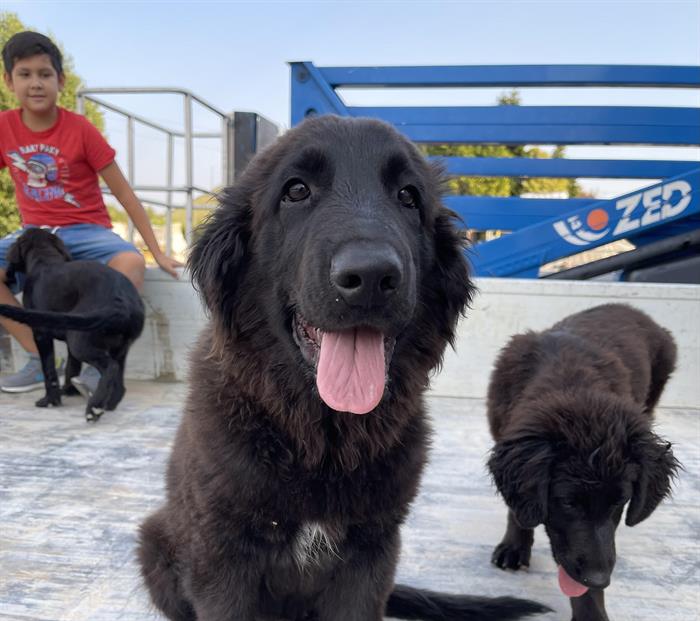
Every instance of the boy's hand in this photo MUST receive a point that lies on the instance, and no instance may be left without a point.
(168, 264)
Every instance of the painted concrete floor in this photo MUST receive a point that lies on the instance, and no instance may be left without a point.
(72, 495)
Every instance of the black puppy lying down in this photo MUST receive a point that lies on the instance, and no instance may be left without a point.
(93, 308)
(570, 409)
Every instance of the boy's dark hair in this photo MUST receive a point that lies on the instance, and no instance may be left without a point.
(28, 43)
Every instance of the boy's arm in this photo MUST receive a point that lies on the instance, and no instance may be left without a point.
(122, 191)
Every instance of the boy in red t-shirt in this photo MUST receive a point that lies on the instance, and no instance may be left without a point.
(54, 157)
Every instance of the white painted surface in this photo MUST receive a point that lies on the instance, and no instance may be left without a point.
(174, 319)
(505, 307)
(74, 494)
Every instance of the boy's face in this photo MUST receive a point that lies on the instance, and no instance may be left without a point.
(35, 83)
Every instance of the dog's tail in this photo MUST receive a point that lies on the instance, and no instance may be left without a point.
(409, 603)
(99, 318)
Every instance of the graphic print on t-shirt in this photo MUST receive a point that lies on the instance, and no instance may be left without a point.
(45, 170)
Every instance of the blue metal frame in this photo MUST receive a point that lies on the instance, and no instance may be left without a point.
(543, 229)
(521, 254)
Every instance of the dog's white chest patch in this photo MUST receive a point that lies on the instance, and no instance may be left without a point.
(312, 542)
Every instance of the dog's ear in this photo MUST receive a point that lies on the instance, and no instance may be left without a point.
(449, 283)
(219, 254)
(520, 467)
(58, 244)
(657, 467)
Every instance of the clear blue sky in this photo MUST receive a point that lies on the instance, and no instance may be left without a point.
(234, 54)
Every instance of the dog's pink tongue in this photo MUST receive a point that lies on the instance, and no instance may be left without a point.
(569, 586)
(350, 374)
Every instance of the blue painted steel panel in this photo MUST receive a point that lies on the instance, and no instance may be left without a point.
(509, 213)
(515, 75)
(596, 224)
(668, 230)
(311, 94)
(543, 124)
(544, 229)
(550, 134)
(623, 116)
(558, 168)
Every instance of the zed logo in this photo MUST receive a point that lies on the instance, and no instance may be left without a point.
(657, 205)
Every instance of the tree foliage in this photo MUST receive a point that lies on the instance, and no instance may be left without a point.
(503, 186)
(10, 24)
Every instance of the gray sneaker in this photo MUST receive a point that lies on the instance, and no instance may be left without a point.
(29, 377)
(87, 381)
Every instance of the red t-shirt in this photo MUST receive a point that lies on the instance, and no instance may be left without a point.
(55, 171)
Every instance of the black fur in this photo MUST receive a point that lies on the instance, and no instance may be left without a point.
(93, 308)
(259, 458)
(571, 409)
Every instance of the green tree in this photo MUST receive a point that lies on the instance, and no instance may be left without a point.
(10, 24)
(503, 186)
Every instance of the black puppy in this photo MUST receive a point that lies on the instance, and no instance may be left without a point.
(570, 409)
(335, 277)
(93, 308)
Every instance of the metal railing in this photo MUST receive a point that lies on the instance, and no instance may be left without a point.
(188, 134)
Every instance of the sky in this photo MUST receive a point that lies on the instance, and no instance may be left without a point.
(235, 54)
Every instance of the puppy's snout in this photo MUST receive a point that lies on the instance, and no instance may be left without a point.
(596, 579)
(366, 274)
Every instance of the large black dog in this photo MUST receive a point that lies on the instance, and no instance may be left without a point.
(570, 409)
(335, 278)
(93, 308)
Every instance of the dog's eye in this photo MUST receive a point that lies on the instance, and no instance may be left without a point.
(407, 196)
(297, 191)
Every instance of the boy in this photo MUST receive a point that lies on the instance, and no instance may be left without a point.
(54, 157)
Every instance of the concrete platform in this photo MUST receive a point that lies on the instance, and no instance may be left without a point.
(72, 495)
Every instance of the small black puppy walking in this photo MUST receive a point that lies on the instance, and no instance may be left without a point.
(570, 409)
(93, 308)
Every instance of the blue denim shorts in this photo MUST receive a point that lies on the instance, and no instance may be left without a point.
(90, 242)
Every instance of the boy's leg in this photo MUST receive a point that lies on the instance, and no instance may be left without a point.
(132, 265)
(21, 332)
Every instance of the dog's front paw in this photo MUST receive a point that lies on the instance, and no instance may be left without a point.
(48, 400)
(510, 555)
(93, 413)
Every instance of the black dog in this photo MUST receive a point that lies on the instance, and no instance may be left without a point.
(93, 308)
(571, 411)
(335, 278)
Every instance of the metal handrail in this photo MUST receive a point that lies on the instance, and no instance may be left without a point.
(165, 90)
(88, 94)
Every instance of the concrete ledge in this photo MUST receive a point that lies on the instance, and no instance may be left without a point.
(174, 318)
(507, 306)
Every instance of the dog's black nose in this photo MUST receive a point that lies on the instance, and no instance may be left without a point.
(366, 273)
(596, 579)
